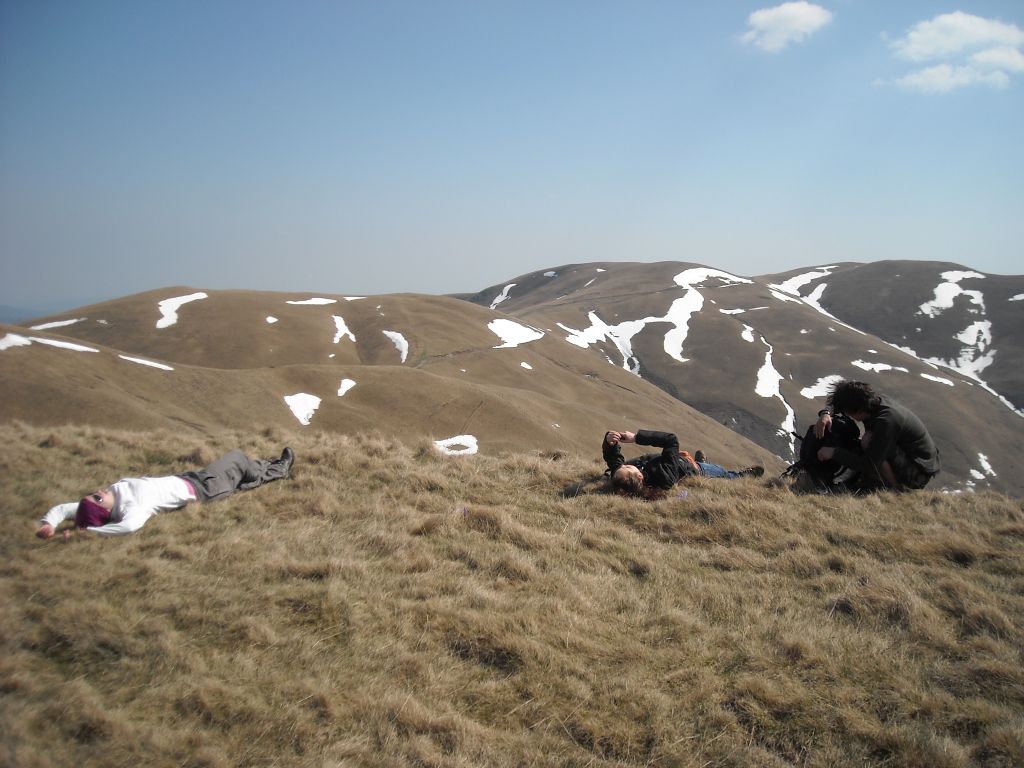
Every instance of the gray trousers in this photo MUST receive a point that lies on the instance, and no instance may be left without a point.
(234, 472)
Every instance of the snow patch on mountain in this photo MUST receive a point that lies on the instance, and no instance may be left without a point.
(877, 367)
(13, 340)
(16, 340)
(503, 295)
(400, 343)
(303, 405)
(769, 382)
(460, 445)
(342, 329)
(150, 363)
(56, 324)
(983, 461)
(690, 278)
(821, 387)
(345, 386)
(946, 293)
(789, 290)
(784, 297)
(169, 308)
(315, 301)
(813, 300)
(976, 352)
(512, 333)
(967, 370)
(621, 335)
(794, 284)
(939, 379)
(678, 315)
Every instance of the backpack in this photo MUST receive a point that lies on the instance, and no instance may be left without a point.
(845, 434)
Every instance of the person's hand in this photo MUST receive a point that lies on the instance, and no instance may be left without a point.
(76, 533)
(612, 437)
(825, 454)
(627, 437)
(823, 425)
(45, 531)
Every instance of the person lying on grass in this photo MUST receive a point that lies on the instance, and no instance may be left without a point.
(654, 473)
(125, 506)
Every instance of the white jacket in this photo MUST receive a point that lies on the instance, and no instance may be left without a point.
(136, 499)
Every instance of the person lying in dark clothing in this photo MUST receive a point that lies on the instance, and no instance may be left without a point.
(655, 473)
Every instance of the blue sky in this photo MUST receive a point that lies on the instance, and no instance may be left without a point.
(436, 147)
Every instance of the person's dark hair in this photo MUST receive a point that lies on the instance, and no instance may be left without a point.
(631, 485)
(853, 397)
(627, 483)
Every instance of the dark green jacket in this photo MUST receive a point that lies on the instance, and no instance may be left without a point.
(894, 430)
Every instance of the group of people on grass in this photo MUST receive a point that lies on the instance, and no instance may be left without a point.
(893, 451)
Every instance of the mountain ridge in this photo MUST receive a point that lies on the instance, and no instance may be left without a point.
(666, 345)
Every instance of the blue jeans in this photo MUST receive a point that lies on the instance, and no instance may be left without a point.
(715, 470)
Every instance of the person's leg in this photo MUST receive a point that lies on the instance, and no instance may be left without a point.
(715, 470)
(237, 472)
(260, 471)
(907, 472)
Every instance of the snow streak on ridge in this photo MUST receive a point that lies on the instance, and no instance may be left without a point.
(169, 308)
(678, 315)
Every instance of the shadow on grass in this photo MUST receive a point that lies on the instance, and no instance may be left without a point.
(594, 483)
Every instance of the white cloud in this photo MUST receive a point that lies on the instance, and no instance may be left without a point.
(1009, 59)
(944, 78)
(772, 29)
(973, 51)
(954, 33)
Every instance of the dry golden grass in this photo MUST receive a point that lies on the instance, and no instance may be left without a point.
(389, 606)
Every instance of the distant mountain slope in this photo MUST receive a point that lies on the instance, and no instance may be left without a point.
(944, 313)
(404, 365)
(757, 354)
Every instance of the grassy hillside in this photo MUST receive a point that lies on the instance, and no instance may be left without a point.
(223, 366)
(390, 606)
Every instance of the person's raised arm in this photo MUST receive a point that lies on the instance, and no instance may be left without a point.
(610, 450)
(667, 441)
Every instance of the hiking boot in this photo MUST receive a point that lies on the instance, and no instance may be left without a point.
(700, 458)
(752, 472)
(287, 458)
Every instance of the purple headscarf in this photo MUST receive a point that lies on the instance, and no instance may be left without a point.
(90, 514)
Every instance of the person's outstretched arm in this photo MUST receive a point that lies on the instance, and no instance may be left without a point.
(57, 515)
(134, 518)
